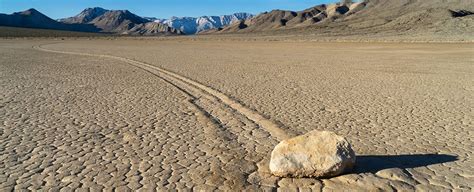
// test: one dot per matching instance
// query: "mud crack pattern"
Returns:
(94, 120)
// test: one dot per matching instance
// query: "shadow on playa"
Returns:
(375, 163)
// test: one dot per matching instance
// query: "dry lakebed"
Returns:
(204, 114)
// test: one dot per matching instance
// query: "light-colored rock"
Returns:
(315, 154)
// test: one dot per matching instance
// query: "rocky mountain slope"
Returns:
(119, 22)
(408, 18)
(279, 19)
(193, 25)
(150, 28)
(87, 15)
(412, 18)
(32, 18)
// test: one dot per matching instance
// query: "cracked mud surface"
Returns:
(86, 121)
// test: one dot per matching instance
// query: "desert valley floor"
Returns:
(129, 114)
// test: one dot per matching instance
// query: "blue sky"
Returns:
(157, 8)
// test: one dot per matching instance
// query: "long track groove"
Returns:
(273, 128)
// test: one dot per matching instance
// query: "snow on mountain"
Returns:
(193, 25)
(150, 18)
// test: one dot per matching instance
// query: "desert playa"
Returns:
(337, 95)
(131, 114)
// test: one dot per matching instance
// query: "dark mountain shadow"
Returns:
(375, 163)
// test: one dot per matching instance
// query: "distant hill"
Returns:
(119, 22)
(32, 18)
(86, 16)
(193, 25)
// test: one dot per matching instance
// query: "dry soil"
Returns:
(131, 114)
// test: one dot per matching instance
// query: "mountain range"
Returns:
(369, 17)
(194, 25)
(277, 19)
(32, 18)
(431, 19)
(96, 20)
(119, 22)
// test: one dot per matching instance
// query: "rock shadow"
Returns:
(460, 13)
(375, 163)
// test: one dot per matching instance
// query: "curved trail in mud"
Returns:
(178, 80)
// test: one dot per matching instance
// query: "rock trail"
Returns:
(185, 83)
(241, 145)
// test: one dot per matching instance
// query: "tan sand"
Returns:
(159, 114)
